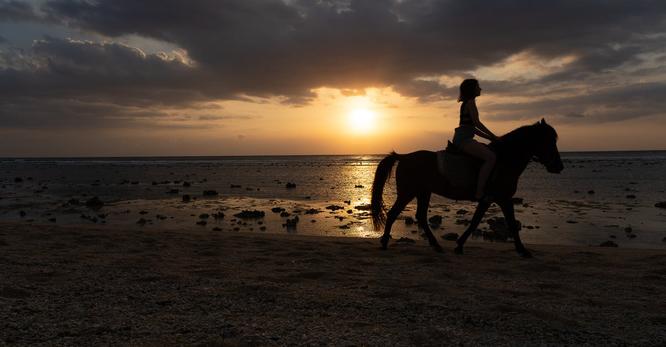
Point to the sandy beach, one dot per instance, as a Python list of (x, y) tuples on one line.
[(87, 285)]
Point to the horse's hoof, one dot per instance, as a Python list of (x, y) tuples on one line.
[(383, 242), (458, 250)]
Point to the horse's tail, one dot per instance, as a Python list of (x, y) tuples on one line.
[(381, 176)]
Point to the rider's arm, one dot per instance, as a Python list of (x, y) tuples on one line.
[(479, 128)]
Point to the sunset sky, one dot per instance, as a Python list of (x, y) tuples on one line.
[(253, 77)]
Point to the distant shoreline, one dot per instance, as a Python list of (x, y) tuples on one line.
[(208, 157)]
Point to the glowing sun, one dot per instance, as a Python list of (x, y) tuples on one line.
[(361, 120)]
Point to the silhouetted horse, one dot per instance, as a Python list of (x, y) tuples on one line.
[(417, 177)]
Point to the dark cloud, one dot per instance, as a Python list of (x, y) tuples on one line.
[(264, 48)]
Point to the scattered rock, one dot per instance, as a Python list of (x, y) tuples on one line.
[(143, 212), (450, 236), (312, 211), (291, 223), (235, 186), (202, 222), (218, 215), (348, 202), (217, 229), (628, 230), (94, 203), (18, 179), (186, 198), (462, 211), (285, 214), (358, 186), (204, 216), (290, 185), (661, 204), (405, 240), (250, 214), (590, 191), (334, 207), (141, 222), (173, 191), (631, 196), (74, 202), (365, 207), (22, 214), (435, 220), (572, 222), (277, 209), (608, 244), (186, 184), (210, 193), (409, 220)]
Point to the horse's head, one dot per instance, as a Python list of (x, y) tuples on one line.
[(545, 150)]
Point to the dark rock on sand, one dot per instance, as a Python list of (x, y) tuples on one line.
[(74, 202), (202, 222), (143, 212), (204, 216), (608, 244), (235, 186), (359, 186), (462, 211), (405, 240), (186, 198), (217, 229), (290, 185), (628, 230), (590, 191), (312, 211), (210, 193), (631, 196), (661, 204), (94, 203), (435, 220), (173, 191), (285, 214), (218, 215), (334, 207), (18, 179), (409, 220), (365, 207), (291, 223), (277, 209), (22, 214), (450, 236), (250, 214), (142, 221)]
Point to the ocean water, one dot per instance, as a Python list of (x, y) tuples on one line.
[(598, 196)]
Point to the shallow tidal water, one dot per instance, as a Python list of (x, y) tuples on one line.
[(600, 196)]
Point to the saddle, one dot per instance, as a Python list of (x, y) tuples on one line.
[(458, 168)]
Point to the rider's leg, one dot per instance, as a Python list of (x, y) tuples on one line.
[(480, 151)]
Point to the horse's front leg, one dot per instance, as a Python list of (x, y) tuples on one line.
[(478, 214), (514, 227), (423, 202)]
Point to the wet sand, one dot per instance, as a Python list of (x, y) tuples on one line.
[(91, 285)]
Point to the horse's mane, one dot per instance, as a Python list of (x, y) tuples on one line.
[(522, 139)]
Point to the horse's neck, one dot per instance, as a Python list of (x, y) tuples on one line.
[(516, 163)]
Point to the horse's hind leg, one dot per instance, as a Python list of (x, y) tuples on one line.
[(422, 204), (514, 227), (399, 205), (473, 224)]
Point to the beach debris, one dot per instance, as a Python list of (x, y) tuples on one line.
[(290, 185), (608, 244), (405, 240), (291, 223), (210, 193), (186, 198), (74, 202), (204, 216), (450, 236), (661, 204), (409, 220), (334, 207), (94, 203), (277, 209), (250, 214), (363, 207), (435, 220)]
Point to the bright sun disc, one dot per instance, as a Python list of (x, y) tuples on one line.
[(361, 120)]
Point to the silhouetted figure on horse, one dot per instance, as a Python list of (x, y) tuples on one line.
[(454, 174)]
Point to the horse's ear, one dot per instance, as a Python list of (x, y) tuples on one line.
[(543, 121)]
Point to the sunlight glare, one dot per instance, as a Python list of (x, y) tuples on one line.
[(361, 120)]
